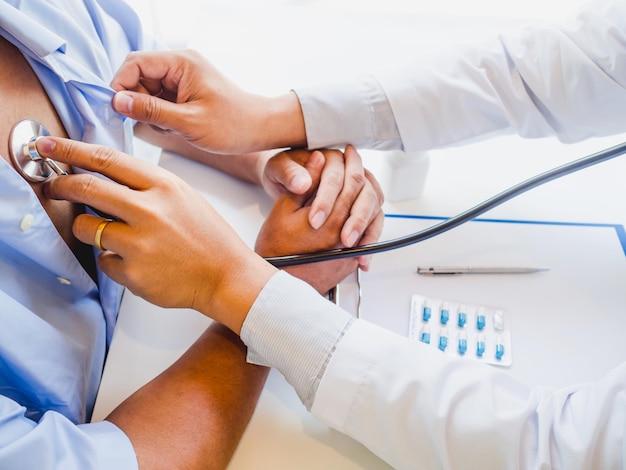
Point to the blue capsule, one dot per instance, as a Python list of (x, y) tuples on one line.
[(462, 317), (445, 314), (462, 346), (426, 312), (480, 345), (425, 334), (443, 339), (499, 348), (481, 320)]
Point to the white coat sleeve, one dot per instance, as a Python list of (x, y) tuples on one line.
[(566, 80), (417, 408)]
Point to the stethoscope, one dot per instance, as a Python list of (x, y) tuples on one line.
[(24, 154), (37, 169)]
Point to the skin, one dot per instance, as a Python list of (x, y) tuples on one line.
[(203, 106), (288, 172), (185, 254), (180, 93), (193, 415), (287, 230), (181, 419), (24, 97)]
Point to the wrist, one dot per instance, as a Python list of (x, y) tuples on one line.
[(283, 123), (237, 290), (259, 167)]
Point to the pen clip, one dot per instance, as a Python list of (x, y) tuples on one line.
[(433, 271)]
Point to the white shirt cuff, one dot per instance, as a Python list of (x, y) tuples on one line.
[(293, 328), (348, 112)]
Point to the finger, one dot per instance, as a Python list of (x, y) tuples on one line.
[(354, 181), (362, 212), (371, 235), (290, 175), (314, 166), (355, 173), (100, 194), (376, 186), (109, 162), (149, 109), (114, 235), (162, 74), (143, 67), (112, 265), (331, 184)]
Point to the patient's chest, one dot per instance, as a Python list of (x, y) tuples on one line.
[(22, 97)]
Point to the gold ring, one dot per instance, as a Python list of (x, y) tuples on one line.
[(97, 239)]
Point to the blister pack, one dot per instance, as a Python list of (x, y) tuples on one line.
[(462, 330)]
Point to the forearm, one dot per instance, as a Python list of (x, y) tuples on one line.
[(194, 413), (281, 123), (246, 167)]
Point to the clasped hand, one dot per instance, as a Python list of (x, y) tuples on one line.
[(169, 246)]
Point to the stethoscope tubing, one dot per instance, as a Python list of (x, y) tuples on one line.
[(448, 224), (24, 154)]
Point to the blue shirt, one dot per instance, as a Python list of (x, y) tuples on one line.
[(55, 322)]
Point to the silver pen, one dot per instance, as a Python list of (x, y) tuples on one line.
[(434, 270)]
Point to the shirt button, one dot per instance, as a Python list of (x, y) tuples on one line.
[(64, 281), (27, 222)]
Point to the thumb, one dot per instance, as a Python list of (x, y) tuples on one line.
[(290, 176), (146, 108)]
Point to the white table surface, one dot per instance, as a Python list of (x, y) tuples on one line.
[(268, 50)]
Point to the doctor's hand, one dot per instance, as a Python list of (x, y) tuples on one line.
[(331, 179), (287, 229), (182, 92), (168, 245)]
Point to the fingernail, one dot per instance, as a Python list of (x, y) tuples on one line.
[(352, 238), (45, 146), (318, 219), (123, 102)]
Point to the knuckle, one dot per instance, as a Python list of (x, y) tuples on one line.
[(357, 179), (66, 149), (334, 179), (359, 221), (151, 109), (133, 56), (375, 186), (104, 157), (84, 187), (80, 227)]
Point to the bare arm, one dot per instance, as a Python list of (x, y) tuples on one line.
[(244, 166), (194, 414)]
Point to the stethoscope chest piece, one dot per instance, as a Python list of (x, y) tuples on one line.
[(24, 154)]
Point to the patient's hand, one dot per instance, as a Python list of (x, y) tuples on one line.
[(336, 175), (287, 230)]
